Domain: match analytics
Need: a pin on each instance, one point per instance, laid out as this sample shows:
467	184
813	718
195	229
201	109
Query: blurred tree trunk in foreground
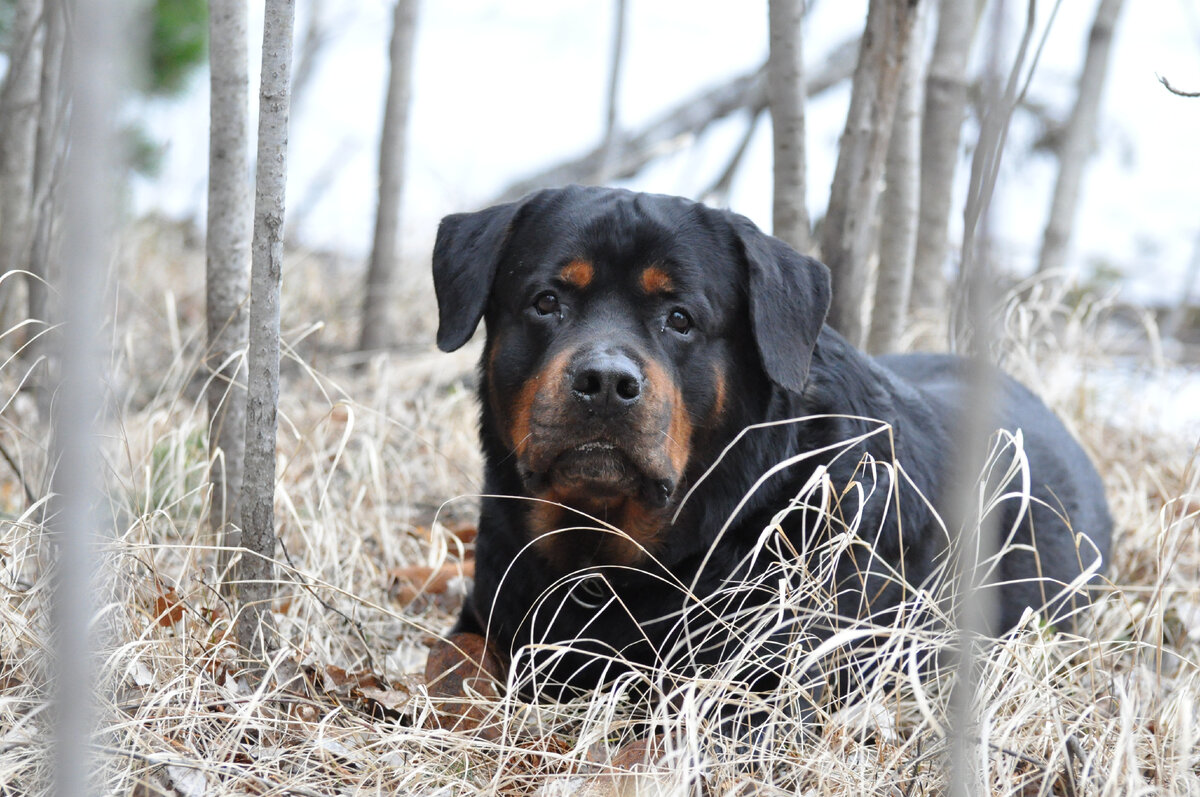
946	89
785	95
18	148
1078	140
899	206
256	573
227	277
377	329
846	235
75	534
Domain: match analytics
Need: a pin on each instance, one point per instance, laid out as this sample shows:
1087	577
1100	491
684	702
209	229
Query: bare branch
678	125
1174	90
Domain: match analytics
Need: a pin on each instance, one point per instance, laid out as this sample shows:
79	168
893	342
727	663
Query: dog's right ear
465	259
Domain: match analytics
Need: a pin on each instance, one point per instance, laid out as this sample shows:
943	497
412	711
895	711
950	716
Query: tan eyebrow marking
577	273
655	280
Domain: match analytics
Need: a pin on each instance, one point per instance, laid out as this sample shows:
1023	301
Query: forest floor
378	473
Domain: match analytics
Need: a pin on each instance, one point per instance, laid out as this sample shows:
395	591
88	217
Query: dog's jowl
688	472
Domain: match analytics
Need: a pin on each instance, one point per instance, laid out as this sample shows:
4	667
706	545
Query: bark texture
846	235
385	250
47	169
946	92
1078	139
785	95
227	277
899	208
255	631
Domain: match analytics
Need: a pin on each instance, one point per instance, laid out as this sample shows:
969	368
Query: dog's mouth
600	472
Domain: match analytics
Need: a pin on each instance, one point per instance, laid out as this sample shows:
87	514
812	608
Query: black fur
758	309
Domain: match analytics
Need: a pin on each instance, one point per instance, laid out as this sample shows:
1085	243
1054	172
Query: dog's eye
546	303
679	321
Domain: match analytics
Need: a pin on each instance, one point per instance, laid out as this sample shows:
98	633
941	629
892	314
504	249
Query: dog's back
1067	521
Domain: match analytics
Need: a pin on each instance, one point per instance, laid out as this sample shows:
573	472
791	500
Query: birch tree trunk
899	208
18	146
785	95
846	233
377	303
255	630
227	277
1079	138
946	90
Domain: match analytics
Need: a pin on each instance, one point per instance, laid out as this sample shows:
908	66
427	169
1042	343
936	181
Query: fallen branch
679	125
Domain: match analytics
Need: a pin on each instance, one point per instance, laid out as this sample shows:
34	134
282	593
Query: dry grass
377	467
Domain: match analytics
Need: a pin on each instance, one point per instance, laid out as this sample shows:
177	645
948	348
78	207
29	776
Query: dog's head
621	331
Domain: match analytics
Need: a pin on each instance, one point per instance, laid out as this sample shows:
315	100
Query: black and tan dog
630	339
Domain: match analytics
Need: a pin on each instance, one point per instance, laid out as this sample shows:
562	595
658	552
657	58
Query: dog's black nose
607	383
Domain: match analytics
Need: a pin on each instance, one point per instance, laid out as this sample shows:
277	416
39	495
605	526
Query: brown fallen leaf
409	582
167	605
463	672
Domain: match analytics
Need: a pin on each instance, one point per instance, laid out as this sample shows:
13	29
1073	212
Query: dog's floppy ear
465	258
789	298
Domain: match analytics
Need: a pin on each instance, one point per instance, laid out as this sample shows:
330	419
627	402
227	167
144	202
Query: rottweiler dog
673	440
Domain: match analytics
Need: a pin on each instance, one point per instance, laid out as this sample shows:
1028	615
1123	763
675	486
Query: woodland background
145	647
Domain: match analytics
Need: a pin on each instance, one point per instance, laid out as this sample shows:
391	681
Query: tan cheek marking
679	426
718	410
524	406
655	280
578	273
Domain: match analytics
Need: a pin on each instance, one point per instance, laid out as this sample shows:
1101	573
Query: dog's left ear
465	259
789	299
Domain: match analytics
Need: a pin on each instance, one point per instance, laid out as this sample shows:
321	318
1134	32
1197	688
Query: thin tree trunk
785	94
846	233
227	277
255	630
946	92
899	208
718	192
47	169
1079	138
609	142
18	146
377	303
